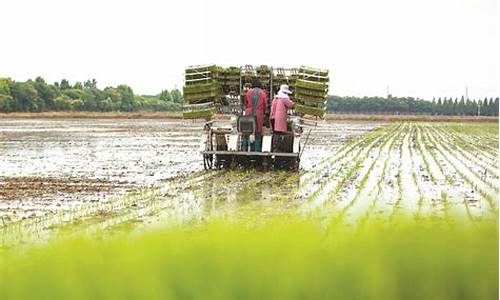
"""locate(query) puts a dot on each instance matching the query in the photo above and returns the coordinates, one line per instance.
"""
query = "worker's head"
(285, 89)
(256, 82)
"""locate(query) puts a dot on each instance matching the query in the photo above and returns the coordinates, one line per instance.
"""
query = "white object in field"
(234, 123)
(203, 142)
(232, 142)
(296, 143)
(266, 143)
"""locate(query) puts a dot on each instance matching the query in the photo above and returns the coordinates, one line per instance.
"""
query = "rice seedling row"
(474, 184)
(489, 168)
(361, 187)
(476, 171)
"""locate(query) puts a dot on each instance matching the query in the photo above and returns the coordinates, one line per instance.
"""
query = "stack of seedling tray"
(284, 76)
(201, 91)
(310, 91)
(229, 78)
(211, 88)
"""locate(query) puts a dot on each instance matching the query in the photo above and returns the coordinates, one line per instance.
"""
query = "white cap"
(285, 89)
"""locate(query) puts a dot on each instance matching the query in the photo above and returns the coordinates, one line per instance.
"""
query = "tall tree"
(461, 106)
(176, 96)
(128, 102)
(25, 95)
(64, 85)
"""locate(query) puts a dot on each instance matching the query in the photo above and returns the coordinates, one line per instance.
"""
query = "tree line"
(38, 96)
(410, 105)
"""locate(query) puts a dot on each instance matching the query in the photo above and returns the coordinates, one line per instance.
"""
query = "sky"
(419, 48)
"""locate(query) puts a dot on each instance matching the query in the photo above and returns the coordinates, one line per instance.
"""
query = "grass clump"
(283, 258)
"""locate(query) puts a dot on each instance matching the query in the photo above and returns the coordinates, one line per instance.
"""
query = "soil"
(53, 165)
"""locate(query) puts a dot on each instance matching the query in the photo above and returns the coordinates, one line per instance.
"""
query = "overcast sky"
(421, 48)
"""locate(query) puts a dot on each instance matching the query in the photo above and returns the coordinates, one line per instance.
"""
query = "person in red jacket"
(255, 102)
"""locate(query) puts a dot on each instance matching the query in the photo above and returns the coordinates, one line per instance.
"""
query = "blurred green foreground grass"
(286, 258)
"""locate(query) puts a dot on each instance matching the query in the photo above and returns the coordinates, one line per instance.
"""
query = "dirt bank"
(178, 115)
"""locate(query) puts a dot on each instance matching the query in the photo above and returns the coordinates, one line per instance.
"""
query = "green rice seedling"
(446, 204)
(475, 141)
(420, 149)
(357, 162)
(399, 179)
(427, 145)
(493, 170)
(443, 143)
(487, 196)
(283, 258)
(307, 110)
(198, 114)
(416, 182)
(366, 176)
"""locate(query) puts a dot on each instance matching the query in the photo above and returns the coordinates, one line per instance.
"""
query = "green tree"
(165, 96)
(90, 84)
(439, 108)
(128, 102)
(64, 85)
(62, 103)
(78, 85)
(176, 96)
(25, 96)
(5, 86)
(461, 106)
(46, 92)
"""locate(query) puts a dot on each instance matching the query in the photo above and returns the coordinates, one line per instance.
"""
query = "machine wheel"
(233, 163)
(296, 164)
(266, 163)
(208, 161)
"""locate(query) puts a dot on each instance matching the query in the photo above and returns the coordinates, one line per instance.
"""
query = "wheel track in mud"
(150, 207)
(40, 228)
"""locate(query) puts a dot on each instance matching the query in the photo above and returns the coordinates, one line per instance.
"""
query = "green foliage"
(409, 105)
(283, 258)
(176, 96)
(5, 86)
(64, 85)
(165, 96)
(36, 96)
(25, 97)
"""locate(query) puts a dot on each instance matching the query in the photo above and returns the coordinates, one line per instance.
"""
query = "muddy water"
(48, 166)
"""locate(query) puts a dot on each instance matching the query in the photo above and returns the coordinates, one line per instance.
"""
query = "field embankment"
(178, 115)
(92, 115)
(413, 118)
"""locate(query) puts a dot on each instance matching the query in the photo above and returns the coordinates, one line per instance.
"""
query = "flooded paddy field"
(49, 166)
(113, 175)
